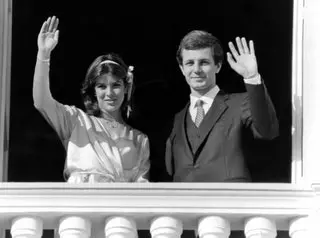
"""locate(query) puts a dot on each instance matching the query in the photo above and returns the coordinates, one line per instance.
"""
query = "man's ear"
(181, 68)
(219, 65)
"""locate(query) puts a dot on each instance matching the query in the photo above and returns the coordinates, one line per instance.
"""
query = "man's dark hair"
(196, 40)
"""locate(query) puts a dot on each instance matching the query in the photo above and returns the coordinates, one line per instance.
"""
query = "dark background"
(147, 36)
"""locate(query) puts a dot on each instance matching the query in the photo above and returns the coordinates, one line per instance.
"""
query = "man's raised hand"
(243, 60)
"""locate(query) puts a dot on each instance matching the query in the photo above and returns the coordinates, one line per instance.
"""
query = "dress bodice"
(98, 151)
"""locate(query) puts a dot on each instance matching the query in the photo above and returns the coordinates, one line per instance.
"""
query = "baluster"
(26, 227)
(298, 228)
(213, 227)
(166, 227)
(120, 227)
(260, 227)
(74, 227)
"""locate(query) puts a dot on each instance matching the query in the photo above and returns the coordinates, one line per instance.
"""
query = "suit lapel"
(216, 110)
(183, 131)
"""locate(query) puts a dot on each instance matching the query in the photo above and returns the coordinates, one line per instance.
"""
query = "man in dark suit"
(205, 144)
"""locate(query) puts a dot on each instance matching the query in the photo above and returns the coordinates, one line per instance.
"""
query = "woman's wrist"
(43, 56)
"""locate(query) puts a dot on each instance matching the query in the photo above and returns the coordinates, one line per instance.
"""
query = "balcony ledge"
(185, 201)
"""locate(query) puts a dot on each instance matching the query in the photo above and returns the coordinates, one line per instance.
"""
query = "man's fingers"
(233, 50)
(55, 27)
(239, 45)
(245, 46)
(230, 59)
(56, 35)
(251, 47)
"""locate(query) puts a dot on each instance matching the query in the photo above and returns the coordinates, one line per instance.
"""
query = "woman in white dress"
(100, 145)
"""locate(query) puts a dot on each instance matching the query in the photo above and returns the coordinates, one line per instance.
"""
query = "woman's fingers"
(50, 25)
(52, 22)
(43, 27)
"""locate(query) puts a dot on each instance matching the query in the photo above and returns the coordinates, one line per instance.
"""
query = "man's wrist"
(252, 76)
(255, 79)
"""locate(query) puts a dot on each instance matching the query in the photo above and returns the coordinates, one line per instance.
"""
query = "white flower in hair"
(130, 81)
(130, 74)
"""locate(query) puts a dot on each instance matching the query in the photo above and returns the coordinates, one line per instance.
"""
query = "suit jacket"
(219, 156)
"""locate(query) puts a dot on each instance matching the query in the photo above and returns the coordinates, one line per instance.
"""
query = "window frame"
(296, 90)
(5, 67)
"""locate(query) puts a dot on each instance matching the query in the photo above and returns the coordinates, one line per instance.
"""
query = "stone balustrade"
(166, 210)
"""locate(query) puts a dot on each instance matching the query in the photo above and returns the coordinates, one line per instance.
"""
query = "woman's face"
(110, 92)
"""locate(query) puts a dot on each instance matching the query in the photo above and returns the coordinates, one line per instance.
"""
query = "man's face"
(199, 69)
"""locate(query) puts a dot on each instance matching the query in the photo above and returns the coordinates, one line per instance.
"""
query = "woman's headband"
(109, 62)
(130, 68)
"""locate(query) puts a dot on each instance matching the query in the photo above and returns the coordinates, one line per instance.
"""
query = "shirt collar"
(207, 98)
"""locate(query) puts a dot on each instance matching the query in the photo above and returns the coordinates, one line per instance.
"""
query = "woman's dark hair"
(96, 70)
(196, 40)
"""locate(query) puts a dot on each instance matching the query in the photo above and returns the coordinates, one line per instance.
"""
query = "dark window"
(147, 36)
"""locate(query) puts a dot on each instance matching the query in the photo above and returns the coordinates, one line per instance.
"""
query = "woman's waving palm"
(48, 35)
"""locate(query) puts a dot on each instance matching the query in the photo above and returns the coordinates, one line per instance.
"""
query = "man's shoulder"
(232, 100)
(235, 97)
(178, 117)
(181, 112)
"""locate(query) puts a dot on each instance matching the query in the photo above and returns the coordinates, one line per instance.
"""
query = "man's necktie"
(200, 113)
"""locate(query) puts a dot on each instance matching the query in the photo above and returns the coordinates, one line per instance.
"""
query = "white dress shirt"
(207, 102)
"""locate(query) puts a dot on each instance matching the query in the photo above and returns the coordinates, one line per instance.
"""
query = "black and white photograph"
(159, 118)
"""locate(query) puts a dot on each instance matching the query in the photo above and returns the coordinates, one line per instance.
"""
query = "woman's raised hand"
(48, 36)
